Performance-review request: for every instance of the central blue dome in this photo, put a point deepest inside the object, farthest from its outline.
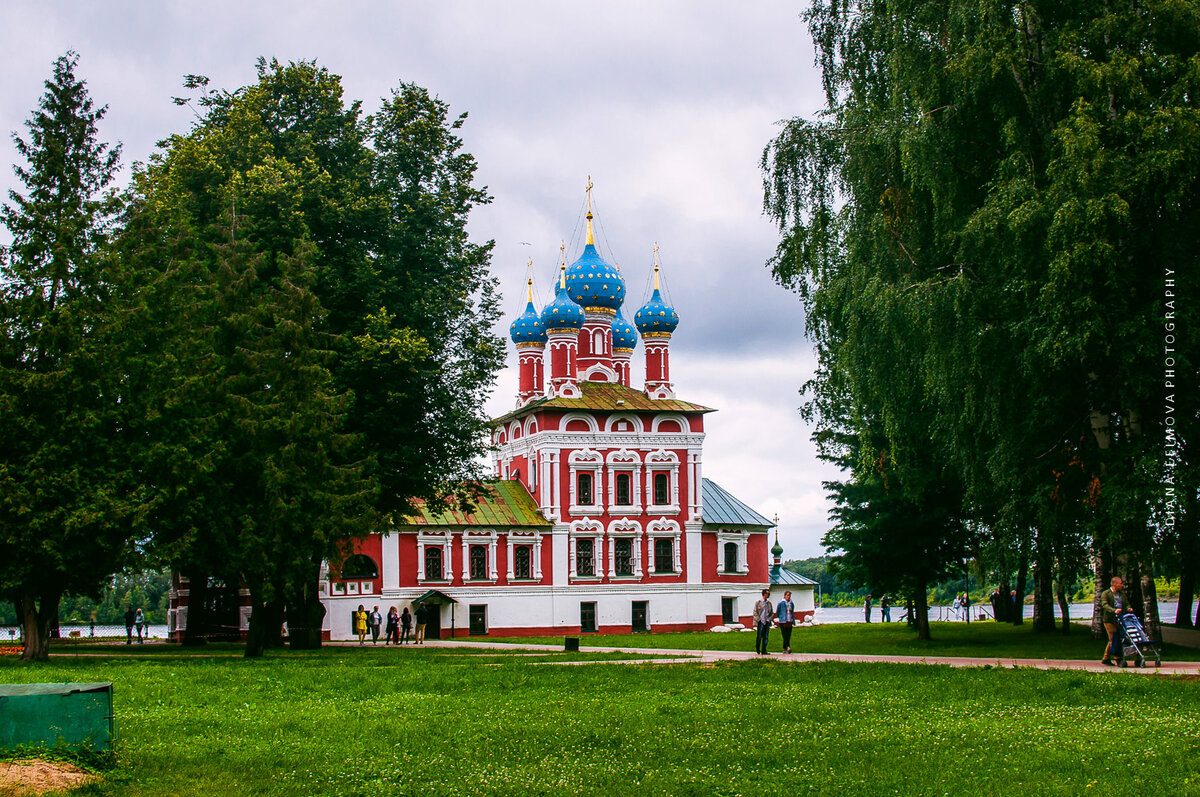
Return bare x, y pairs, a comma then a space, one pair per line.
592, 282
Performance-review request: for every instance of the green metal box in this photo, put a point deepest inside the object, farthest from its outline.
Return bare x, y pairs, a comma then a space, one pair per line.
78, 715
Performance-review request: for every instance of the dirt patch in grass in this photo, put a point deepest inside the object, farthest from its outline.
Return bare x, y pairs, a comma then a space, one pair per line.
33, 776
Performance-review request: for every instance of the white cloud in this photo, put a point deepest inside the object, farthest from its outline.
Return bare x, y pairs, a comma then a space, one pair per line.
667, 106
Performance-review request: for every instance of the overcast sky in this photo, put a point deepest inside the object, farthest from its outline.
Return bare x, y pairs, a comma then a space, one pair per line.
666, 105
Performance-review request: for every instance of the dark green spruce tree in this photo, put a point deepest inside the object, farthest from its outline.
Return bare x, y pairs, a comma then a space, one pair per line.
70, 504
362, 222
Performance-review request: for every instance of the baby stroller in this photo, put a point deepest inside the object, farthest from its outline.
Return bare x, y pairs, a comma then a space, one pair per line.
1137, 642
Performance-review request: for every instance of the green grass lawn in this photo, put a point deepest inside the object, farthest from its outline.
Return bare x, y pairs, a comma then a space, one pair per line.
349, 721
998, 640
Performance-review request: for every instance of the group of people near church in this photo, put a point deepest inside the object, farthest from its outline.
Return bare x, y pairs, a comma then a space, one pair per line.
766, 614
397, 628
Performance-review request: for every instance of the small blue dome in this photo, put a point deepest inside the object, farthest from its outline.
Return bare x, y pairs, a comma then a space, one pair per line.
562, 313
592, 282
623, 334
656, 316
528, 327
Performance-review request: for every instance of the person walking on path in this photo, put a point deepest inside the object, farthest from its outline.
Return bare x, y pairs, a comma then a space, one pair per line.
374, 620
785, 615
129, 618
360, 624
867, 607
763, 615
392, 632
885, 609
1112, 605
422, 618
405, 625
139, 620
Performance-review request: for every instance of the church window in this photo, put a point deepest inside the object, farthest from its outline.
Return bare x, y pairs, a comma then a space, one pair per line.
522, 561
584, 494
623, 556
433, 563
664, 555
359, 566
662, 489
585, 557
479, 562
731, 557
624, 495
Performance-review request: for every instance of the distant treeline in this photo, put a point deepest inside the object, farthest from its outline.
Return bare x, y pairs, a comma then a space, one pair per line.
836, 591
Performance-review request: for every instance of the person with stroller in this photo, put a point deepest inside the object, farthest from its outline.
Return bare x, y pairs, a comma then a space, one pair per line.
1112, 605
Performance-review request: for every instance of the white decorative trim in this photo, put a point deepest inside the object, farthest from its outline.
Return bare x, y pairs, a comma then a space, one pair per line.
657, 420
600, 368
589, 461
441, 540
487, 537
739, 538
625, 528
635, 423
523, 538
663, 460
664, 528
590, 420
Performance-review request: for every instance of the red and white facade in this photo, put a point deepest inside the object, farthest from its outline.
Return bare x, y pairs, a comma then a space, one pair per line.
597, 520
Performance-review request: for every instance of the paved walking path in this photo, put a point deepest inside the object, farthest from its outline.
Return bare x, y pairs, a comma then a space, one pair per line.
672, 655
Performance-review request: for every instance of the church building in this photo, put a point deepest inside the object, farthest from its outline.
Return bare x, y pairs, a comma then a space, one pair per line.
598, 517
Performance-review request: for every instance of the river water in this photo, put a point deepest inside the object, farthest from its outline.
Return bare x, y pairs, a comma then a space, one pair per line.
854, 614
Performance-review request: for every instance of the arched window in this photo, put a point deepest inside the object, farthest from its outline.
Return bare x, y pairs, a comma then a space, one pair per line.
731, 557
662, 489
585, 557
583, 492
623, 556
479, 562
433, 563
521, 562
359, 566
664, 555
624, 495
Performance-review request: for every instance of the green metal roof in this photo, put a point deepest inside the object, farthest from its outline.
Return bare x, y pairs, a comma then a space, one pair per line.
499, 503
607, 397
722, 509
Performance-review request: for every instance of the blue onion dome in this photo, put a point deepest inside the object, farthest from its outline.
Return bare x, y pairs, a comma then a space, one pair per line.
594, 283
527, 329
562, 313
656, 317
624, 336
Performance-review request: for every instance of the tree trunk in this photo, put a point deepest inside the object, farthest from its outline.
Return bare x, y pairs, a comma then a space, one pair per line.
273, 613
37, 618
1064, 608
195, 624
1133, 589
306, 616
1150, 604
910, 612
1103, 574
1018, 605
1187, 594
1043, 586
921, 610
1004, 604
256, 635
